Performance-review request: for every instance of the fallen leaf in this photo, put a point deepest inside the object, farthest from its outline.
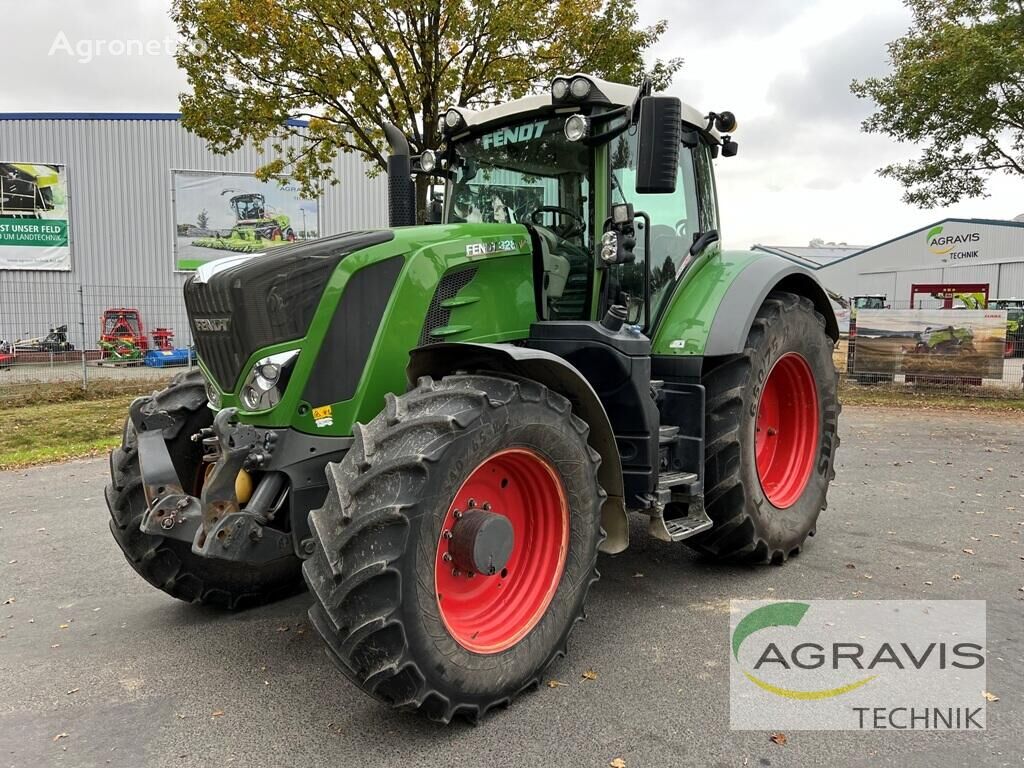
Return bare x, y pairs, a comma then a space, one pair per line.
217, 713
555, 683
618, 762
850, 565
928, 583
968, 551
590, 675
60, 736
778, 738
989, 696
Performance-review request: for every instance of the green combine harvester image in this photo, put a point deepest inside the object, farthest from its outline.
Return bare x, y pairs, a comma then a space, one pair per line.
945, 340
437, 428
26, 190
254, 230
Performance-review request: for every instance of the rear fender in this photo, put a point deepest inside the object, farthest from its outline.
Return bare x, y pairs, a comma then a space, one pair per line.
437, 360
747, 293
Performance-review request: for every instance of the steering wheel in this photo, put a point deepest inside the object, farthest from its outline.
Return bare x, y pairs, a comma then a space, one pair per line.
574, 227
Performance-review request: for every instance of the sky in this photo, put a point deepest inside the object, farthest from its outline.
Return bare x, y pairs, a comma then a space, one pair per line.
804, 170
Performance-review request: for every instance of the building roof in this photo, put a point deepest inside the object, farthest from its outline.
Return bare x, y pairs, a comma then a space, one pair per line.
147, 116
817, 255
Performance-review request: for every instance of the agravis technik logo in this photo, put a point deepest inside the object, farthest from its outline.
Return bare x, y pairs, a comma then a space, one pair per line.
834, 664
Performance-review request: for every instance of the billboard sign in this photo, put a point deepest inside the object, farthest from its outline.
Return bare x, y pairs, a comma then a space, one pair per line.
34, 217
939, 342
217, 214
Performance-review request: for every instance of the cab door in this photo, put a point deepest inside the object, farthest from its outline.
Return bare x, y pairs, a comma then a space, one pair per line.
676, 220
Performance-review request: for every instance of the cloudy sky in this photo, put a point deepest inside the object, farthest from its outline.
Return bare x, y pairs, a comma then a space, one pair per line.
783, 66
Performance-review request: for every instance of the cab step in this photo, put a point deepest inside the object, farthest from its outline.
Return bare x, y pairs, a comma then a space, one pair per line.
678, 528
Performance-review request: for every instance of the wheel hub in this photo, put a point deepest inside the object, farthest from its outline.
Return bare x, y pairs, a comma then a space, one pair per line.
481, 542
496, 570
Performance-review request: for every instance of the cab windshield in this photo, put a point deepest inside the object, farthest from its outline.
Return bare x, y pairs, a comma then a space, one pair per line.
528, 173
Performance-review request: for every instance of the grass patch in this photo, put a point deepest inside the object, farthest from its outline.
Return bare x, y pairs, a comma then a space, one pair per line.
46, 393
924, 399
36, 434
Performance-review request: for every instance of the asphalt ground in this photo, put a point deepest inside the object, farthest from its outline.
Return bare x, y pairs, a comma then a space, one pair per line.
97, 668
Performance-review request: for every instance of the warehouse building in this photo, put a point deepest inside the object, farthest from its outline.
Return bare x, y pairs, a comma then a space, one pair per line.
951, 252
101, 211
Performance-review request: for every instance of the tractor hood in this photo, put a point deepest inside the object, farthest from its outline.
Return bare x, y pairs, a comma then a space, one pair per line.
239, 305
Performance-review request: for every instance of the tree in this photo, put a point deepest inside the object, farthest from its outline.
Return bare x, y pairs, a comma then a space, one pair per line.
203, 218
350, 66
957, 89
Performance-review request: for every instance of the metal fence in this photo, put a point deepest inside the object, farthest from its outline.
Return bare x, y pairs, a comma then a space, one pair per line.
63, 332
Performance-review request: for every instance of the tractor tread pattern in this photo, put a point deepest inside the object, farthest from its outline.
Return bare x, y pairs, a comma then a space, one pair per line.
734, 536
357, 587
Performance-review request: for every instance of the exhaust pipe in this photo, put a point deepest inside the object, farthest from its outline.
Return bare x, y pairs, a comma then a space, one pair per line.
401, 188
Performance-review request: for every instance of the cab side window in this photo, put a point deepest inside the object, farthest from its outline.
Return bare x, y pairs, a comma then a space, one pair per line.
675, 220
707, 194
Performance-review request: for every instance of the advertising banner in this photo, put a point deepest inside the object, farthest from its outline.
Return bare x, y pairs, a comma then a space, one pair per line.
217, 214
33, 217
939, 342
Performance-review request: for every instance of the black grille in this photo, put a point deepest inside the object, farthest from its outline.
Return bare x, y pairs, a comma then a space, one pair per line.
266, 300
438, 316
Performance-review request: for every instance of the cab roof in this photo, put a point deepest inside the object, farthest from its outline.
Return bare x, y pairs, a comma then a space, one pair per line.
616, 94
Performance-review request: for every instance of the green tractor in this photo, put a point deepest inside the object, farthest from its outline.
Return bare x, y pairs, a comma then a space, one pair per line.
438, 428
255, 230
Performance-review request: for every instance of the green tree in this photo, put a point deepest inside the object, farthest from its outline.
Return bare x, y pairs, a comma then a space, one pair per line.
956, 90
350, 66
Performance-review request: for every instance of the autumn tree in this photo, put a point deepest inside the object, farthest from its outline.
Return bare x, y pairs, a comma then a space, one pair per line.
348, 67
956, 90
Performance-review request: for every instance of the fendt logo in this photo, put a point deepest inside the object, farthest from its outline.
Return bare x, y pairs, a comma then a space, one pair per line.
212, 324
941, 244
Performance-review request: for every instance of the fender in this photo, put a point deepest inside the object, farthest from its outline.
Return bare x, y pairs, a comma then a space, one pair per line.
712, 311
438, 360
748, 291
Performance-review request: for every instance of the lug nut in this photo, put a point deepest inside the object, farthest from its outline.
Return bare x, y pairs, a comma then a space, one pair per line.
447, 534
447, 557
455, 572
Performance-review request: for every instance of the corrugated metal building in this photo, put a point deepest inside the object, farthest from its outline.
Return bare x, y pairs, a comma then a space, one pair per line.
951, 251
121, 226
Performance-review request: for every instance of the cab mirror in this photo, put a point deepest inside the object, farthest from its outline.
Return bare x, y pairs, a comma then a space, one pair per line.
661, 131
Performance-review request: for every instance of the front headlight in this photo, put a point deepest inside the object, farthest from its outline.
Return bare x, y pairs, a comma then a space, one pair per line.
267, 380
212, 393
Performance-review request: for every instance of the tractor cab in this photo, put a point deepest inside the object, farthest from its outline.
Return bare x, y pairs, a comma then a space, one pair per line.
249, 208
615, 185
869, 301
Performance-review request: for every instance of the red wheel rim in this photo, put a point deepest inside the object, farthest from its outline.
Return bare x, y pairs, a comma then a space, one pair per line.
786, 436
489, 614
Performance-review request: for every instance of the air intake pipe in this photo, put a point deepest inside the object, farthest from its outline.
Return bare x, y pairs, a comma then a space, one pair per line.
401, 188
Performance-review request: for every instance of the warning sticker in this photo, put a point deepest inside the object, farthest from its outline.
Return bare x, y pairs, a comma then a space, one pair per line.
323, 416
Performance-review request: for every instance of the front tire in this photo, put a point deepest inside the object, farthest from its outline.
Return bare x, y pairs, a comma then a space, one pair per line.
169, 564
772, 416
403, 615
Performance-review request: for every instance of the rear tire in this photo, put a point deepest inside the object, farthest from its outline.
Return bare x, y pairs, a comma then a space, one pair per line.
378, 574
764, 509
169, 564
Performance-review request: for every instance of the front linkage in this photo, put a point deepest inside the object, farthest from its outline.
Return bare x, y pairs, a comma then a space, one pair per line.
231, 518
